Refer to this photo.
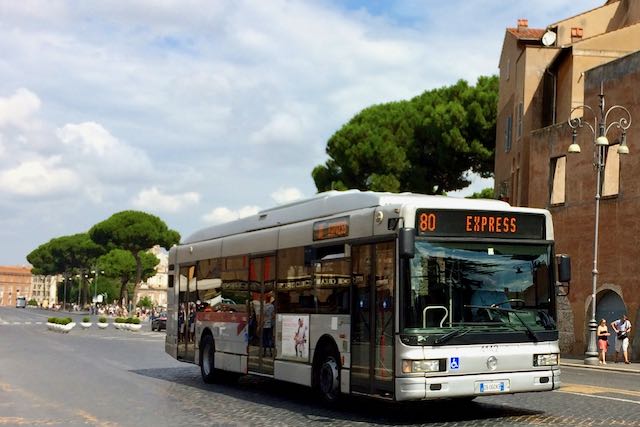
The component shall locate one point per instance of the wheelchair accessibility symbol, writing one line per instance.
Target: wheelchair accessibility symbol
(454, 363)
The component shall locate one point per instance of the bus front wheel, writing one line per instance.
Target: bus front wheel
(207, 364)
(329, 378)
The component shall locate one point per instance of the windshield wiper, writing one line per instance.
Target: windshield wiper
(530, 332)
(454, 333)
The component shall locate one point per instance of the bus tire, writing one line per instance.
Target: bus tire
(328, 377)
(207, 361)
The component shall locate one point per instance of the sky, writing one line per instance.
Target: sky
(201, 112)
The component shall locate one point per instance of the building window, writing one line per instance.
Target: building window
(611, 182)
(508, 134)
(558, 174)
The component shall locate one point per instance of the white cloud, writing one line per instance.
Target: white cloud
(90, 137)
(225, 98)
(18, 109)
(282, 128)
(106, 156)
(223, 214)
(154, 200)
(44, 177)
(286, 195)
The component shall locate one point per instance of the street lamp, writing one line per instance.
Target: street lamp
(95, 283)
(599, 129)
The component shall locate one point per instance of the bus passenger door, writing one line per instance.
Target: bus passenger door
(261, 314)
(372, 318)
(187, 313)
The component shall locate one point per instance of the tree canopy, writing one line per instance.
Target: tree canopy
(135, 232)
(66, 255)
(424, 145)
(120, 264)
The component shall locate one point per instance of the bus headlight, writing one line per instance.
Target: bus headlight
(545, 359)
(414, 366)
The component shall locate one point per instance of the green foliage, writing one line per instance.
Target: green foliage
(33, 302)
(145, 301)
(119, 320)
(135, 320)
(86, 319)
(424, 145)
(121, 265)
(486, 193)
(64, 254)
(102, 319)
(135, 232)
(60, 320)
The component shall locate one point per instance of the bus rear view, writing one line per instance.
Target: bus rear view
(21, 302)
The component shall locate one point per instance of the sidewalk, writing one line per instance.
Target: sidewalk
(578, 362)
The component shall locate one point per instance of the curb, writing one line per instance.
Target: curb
(630, 370)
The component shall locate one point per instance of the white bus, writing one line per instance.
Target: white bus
(396, 296)
(21, 302)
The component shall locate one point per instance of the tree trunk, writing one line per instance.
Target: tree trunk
(124, 295)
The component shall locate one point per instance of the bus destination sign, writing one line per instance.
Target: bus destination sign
(331, 228)
(455, 223)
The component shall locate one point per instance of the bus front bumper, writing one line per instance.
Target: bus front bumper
(421, 388)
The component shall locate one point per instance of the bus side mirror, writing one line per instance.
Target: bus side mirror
(564, 275)
(406, 242)
(564, 268)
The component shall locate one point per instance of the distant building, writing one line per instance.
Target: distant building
(44, 290)
(156, 287)
(544, 74)
(14, 282)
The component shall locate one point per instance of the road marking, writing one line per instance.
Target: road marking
(617, 399)
(597, 391)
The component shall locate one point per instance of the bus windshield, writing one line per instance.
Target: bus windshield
(455, 288)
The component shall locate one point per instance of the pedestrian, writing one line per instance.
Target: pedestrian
(603, 343)
(267, 327)
(623, 330)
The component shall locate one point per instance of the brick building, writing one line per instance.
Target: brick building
(544, 74)
(14, 282)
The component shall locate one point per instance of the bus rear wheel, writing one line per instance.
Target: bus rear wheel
(329, 378)
(207, 362)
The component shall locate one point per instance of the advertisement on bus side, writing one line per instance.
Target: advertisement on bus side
(295, 336)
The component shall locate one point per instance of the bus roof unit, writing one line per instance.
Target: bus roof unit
(332, 203)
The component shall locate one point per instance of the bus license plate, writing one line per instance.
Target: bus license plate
(492, 386)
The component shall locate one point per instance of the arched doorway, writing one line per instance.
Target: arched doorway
(610, 307)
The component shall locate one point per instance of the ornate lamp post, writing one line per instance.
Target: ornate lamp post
(599, 129)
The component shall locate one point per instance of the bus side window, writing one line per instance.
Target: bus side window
(294, 286)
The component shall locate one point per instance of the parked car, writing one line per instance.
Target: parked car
(159, 322)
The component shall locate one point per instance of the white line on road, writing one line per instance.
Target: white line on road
(617, 399)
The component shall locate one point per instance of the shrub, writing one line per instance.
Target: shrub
(102, 319)
(119, 320)
(135, 320)
(86, 319)
(60, 320)
(32, 302)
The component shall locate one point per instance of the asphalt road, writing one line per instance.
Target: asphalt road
(118, 378)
